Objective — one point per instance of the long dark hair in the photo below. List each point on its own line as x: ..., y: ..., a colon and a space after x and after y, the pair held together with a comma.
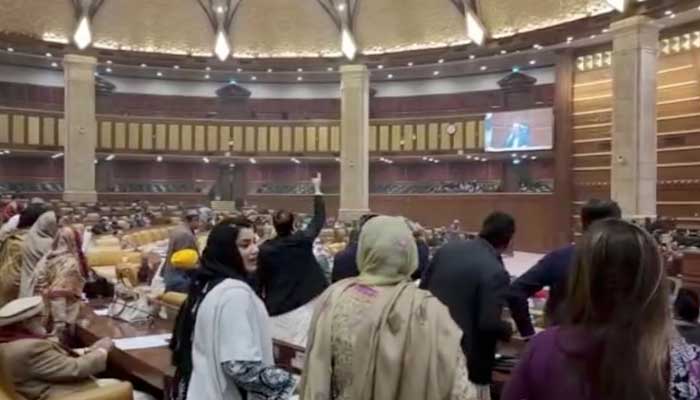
x: 618, y: 295
x: 220, y: 260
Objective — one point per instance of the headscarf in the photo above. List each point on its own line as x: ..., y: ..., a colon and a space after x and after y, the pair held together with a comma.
x: 387, y: 365
x: 37, y: 243
x: 387, y: 252
x: 221, y: 260
x: 63, y: 269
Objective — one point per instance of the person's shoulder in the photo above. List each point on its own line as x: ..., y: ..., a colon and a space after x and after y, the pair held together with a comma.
x: 566, y: 251
x: 235, y: 290
x: 28, y: 347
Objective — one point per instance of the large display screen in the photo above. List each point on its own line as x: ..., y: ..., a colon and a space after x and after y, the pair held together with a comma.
x: 519, y: 130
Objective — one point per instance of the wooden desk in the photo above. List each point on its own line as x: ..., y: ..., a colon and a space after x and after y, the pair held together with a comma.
x: 149, y: 367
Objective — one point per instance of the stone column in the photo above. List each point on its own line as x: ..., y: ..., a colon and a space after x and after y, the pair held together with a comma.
x: 633, y: 174
x: 354, y: 143
x: 81, y: 128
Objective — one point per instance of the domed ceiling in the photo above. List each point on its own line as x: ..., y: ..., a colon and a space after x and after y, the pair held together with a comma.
x: 285, y: 28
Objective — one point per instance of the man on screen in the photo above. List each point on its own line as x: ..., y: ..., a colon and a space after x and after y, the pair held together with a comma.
x: 519, y: 136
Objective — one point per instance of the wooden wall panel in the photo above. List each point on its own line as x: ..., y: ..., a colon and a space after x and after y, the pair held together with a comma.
x: 174, y: 136
x: 161, y: 136
x: 262, y: 138
x: 120, y: 135
x: 421, y: 137
x: 396, y: 138
x: 409, y: 138
x: 225, y: 140
x: 61, y: 132
x: 48, y: 131
x: 212, y: 137
x: 238, y: 138
x: 276, y: 139
x: 249, y: 139
x: 18, y: 129
x: 311, y: 139
x: 335, y: 139
x: 200, y: 138
x: 298, y: 139
x: 134, y: 136
x: 4, y: 128
x: 384, y: 138
x: 323, y: 139
x: 286, y: 139
x: 33, y: 130
x: 373, y: 138
x: 147, y: 137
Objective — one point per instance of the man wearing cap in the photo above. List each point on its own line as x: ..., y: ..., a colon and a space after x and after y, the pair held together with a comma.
x: 181, y: 238
x: 41, y: 368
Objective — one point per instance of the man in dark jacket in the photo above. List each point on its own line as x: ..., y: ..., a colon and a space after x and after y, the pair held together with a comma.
x: 470, y: 279
x: 344, y: 263
x: 553, y: 271
x: 288, y: 272
x: 686, y: 309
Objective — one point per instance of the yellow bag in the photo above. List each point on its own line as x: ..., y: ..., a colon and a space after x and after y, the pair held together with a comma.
x: 185, y: 259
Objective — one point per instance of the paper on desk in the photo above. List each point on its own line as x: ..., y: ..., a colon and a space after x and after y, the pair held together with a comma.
x: 103, y: 312
x: 142, y: 342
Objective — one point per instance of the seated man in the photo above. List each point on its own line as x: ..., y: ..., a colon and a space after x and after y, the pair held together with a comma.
x: 288, y: 273
x: 686, y: 310
x: 40, y: 368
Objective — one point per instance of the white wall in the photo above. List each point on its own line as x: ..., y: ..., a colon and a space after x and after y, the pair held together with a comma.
x: 44, y: 77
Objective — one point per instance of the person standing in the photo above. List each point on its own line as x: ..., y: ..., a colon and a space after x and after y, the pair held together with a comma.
x: 686, y: 310
x: 617, y: 340
x: 553, y: 271
x: 289, y: 275
x: 470, y: 279
x: 181, y: 238
x: 221, y: 345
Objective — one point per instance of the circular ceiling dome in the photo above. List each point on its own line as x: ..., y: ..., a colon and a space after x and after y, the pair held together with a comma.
x: 285, y: 28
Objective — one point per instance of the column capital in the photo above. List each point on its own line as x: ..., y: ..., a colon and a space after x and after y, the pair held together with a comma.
x: 76, y: 59
x: 637, y: 23
x: 353, y: 69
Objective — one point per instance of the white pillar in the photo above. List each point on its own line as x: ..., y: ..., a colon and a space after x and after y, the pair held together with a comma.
x: 81, y: 128
x: 354, y: 143
x: 633, y: 175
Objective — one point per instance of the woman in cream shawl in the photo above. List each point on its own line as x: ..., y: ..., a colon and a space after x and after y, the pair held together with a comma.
x: 379, y: 337
x: 36, y: 244
x: 60, y: 278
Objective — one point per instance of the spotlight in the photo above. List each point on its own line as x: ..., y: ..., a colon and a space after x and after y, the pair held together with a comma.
x: 159, y: 158
x: 110, y: 157
x: 252, y: 160
x: 57, y: 156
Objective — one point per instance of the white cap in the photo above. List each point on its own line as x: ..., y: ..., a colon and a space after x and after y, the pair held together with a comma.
x: 20, y: 310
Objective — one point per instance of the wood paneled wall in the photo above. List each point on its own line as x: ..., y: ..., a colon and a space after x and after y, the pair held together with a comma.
x: 678, y: 138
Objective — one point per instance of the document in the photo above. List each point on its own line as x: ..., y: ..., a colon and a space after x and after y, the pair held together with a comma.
x: 142, y: 342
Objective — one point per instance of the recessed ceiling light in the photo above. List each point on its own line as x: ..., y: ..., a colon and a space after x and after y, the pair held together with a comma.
x: 10, y: 49
x: 109, y: 62
x: 592, y: 36
x: 108, y: 70
x: 110, y: 157
x: 207, y: 76
x: 605, y: 30
x: 232, y: 81
x: 329, y: 69
x: 269, y: 70
x: 341, y: 7
x: 300, y: 69
x: 533, y: 158
x: 570, y: 39
x: 380, y: 66
x: 159, y: 73
x: 176, y: 66
x: 436, y: 73
x: 410, y: 63
x: 672, y: 16
x: 390, y: 76
x: 206, y: 160
x: 440, y: 61
x: 159, y: 158
x: 143, y: 65
x: 299, y: 78
x: 255, y: 78
x: 96, y: 73
x: 220, y: 9
x: 483, y: 68
x: 533, y: 62
x: 54, y: 64
x: 668, y: 12
x: 252, y: 160
x: 472, y: 56
x: 207, y: 69
x: 239, y: 70
x: 49, y: 55
x: 503, y: 52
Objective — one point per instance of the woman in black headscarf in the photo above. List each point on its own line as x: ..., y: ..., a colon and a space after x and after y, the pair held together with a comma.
x: 221, y: 344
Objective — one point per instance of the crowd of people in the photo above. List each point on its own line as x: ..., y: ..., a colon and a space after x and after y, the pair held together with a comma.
x: 400, y: 312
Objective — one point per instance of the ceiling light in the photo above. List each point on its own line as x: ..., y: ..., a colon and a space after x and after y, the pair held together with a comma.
x: 440, y: 61
x: 341, y: 7
x: 239, y: 69
x: 483, y: 159
x: 206, y: 160
x: 424, y: 158
x: 83, y: 36
x: 605, y: 30
x: 475, y: 29
x: 410, y: 63
x: 503, y: 52
x: 10, y: 49
x: 108, y: 70
x: 569, y: 39
x: 347, y: 44
x: 533, y: 158
x: 469, y: 157
x: 96, y: 73
x: 437, y: 161
x: 254, y: 78
x: 110, y: 157
x: 337, y: 159
x: 207, y: 69
x: 516, y: 161
x: 472, y: 56
x: 515, y: 69
x: 299, y: 78
x: 159, y: 73
x: 536, y: 46
x: 380, y: 66
x: 232, y: 165
x: 222, y: 48
x: 329, y: 69
x: 7, y: 152
x: 95, y: 162
x: 54, y: 64
x: 295, y: 161
x: 220, y: 10
x: 109, y: 62
x: 436, y: 73
x: 668, y: 12
x: 533, y: 62
x: 483, y: 68
x: 176, y: 66
x: 269, y: 70
x: 619, y: 5
x: 672, y: 16
x: 252, y: 160
x: 207, y: 76
x: 159, y: 158
x: 514, y: 155
x: 57, y: 155
x: 524, y: 156
x: 49, y: 55
x: 390, y: 76
x: 300, y: 69
x: 231, y: 81
x: 592, y: 36
x: 143, y: 65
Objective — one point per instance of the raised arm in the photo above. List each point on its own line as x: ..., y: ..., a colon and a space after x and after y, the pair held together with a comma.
x: 319, y: 218
x: 523, y: 288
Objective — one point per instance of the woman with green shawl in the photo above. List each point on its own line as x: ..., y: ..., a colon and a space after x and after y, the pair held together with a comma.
x: 379, y: 337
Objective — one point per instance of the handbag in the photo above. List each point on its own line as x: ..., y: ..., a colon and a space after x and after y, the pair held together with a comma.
x: 130, y: 305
